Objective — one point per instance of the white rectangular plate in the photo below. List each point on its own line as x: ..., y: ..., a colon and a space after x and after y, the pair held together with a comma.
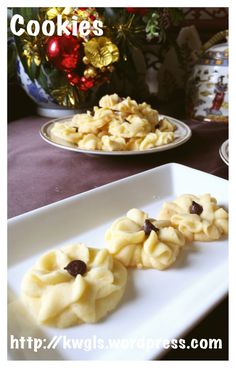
x: 156, y: 304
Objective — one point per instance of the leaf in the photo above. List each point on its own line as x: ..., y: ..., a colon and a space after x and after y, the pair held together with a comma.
x: 176, y: 15
x: 42, y: 79
x: 27, y: 13
x: 55, y: 78
x: 33, y: 70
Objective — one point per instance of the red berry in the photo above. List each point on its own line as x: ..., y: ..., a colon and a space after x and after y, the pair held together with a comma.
x: 89, y: 83
x: 73, y: 78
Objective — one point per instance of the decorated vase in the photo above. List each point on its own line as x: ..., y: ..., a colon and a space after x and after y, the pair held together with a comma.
x: 46, y: 106
x: 207, y: 90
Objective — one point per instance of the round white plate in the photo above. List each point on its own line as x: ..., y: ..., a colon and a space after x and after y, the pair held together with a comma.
x: 224, y: 152
x: 182, y: 134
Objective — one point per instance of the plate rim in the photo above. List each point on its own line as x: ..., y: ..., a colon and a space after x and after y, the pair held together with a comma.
x: 222, y: 151
x: 161, y: 148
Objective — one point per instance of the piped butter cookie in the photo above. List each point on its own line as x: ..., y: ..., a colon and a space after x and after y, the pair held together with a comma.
x: 197, y: 218
x: 139, y: 241
x: 72, y: 285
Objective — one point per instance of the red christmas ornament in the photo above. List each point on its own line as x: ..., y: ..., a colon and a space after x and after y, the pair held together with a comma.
x: 63, y: 51
x: 140, y: 11
x: 73, y: 78
x: 86, y: 83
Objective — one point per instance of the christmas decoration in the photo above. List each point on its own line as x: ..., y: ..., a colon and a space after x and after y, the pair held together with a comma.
x: 31, y: 51
x: 73, y: 78
x: 63, y: 51
x: 100, y: 52
x: 65, y: 12
x: 90, y: 72
x: 70, y: 66
x: 86, y: 83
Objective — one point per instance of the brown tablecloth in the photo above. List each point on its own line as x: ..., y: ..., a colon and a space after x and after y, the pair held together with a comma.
x: 39, y: 174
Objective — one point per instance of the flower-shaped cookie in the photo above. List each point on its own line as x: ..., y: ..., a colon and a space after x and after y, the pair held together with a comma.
x: 109, y: 101
x: 65, y: 133
x: 198, y: 218
x: 138, y: 241
x: 72, y: 285
x: 165, y: 125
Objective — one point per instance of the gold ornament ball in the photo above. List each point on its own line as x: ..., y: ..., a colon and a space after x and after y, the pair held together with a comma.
x: 90, y: 72
x: 85, y: 60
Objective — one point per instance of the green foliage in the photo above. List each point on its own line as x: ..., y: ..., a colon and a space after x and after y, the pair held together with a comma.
x: 27, y: 13
x: 176, y: 16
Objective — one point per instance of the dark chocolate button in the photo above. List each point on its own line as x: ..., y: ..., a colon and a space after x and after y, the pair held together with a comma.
x: 195, y: 208
x: 148, y: 227
x: 76, y: 267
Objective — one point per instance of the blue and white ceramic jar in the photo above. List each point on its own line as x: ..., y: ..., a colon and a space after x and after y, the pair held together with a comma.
x: 207, y: 90
x: 46, y: 106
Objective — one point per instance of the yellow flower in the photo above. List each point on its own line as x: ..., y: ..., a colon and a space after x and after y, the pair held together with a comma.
x: 68, y: 10
x: 53, y: 12
x: 31, y: 51
x: 30, y: 58
x: 101, y: 52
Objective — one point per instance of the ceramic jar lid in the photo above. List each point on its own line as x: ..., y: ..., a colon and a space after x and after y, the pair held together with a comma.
x: 216, y: 55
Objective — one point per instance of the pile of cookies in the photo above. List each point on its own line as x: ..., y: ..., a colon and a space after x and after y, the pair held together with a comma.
x: 79, y: 284
x: 117, y: 124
